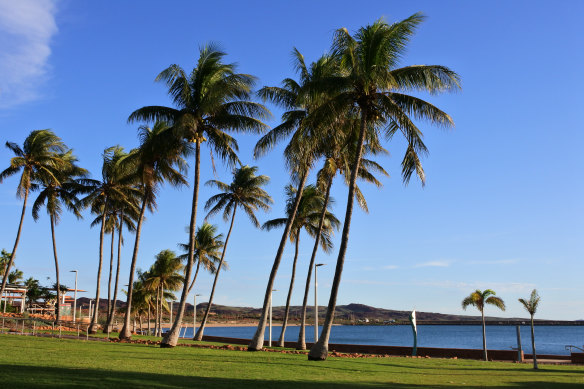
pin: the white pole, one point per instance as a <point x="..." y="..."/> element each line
<point x="75" y="298"/>
<point x="171" y="313"/>
<point x="89" y="310"/>
<point x="270" y="341"/>
<point x="316" y="265"/>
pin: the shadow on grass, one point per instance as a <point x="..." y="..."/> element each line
<point x="19" y="376"/>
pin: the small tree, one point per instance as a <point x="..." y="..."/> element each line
<point x="531" y="307"/>
<point x="479" y="299"/>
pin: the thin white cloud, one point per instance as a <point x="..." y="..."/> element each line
<point x="26" y="29"/>
<point x="434" y="264"/>
<point x="499" y="287"/>
<point x="494" y="262"/>
<point x="390" y="267"/>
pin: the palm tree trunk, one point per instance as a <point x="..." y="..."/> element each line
<point x="56" y="269"/>
<point x="319" y="350"/>
<point x="109" y="282"/>
<point x="13" y="254"/>
<point x="301" y="335"/>
<point x="158" y="311"/>
<point x="93" y="324"/>
<point x="287" y="310"/>
<point x="140" y="320"/>
<point x="257" y="343"/>
<point x="484" y="337"/>
<point x="125" y="333"/>
<point x="113" y="307"/>
<point x="171" y="338"/>
<point x="149" y="333"/>
<point x="195" y="277"/>
<point x="199" y="335"/>
<point x="533" y="345"/>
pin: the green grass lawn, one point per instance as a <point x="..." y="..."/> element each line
<point x="47" y="363"/>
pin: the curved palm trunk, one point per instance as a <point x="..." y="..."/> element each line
<point x="195" y="277"/>
<point x="257" y="343"/>
<point x="56" y="269"/>
<point x="301" y="335"/>
<point x="109" y="283"/>
<point x="319" y="350"/>
<point x="484" y="337"/>
<point x="112" y="312"/>
<point x="533" y="344"/>
<point x="199" y="335"/>
<point x="93" y="324"/>
<point x="13" y="254"/>
<point x="287" y="310"/>
<point x="171" y="337"/>
<point x="125" y="333"/>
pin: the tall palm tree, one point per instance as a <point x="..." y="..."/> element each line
<point x="115" y="186"/>
<point x="370" y="86"/>
<point x="478" y="300"/>
<point x="164" y="276"/>
<point x="338" y="148"/>
<point x="531" y="307"/>
<point x="40" y="154"/>
<point x="307" y="218"/>
<point x="300" y="153"/>
<point x="60" y="189"/>
<point x="208" y="245"/>
<point x="158" y="159"/>
<point x="213" y="98"/>
<point x="245" y="192"/>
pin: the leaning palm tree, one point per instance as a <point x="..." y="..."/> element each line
<point x="60" y="189"/>
<point x="479" y="299"/>
<point x="245" y="192"/>
<point x="300" y="153"/>
<point x="338" y="148"/>
<point x="208" y="245"/>
<point x="116" y="185"/>
<point x="371" y="87"/>
<point x="307" y="218"/>
<point x="531" y="307"/>
<point x="211" y="99"/>
<point x="158" y="159"/>
<point x="40" y="154"/>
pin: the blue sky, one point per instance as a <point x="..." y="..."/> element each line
<point x="503" y="203"/>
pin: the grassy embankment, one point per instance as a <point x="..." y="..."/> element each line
<point x="43" y="362"/>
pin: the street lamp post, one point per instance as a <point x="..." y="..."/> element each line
<point x="75" y="298"/>
<point x="195" y="313"/>
<point x="316" y="266"/>
<point x="89" y="311"/>
<point x="270" y="340"/>
<point x="171" y="301"/>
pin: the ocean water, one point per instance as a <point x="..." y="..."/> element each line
<point x="548" y="339"/>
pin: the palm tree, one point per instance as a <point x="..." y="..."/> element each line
<point x="39" y="155"/>
<point x="4" y="259"/>
<point x="479" y="299"/>
<point x="15" y="276"/>
<point x="370" y="86"/>
<point x="159" y="158"/>
<point x="208" y="245"/>
<point x="531" y="307"/>
<point x="58" y="189"/>
<point x="164" y="276"/>
<point x="338" y="148"/>
<point x="245" y="192"/>
<point x="115" y="186"/>
<point x="211" y="99"/>
<point x="300" y="153"/>
<point x="307" y="218"/>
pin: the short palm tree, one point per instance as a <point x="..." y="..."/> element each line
<point x="307" y="218"/>
<point x="116" y="185"/>
<point x="208" y="245"/>
<point x="57" y="190"/>
<point x="300" y="153"/>
<point x="370" y="86"/>
<point x="164" y="276"/>
<point x="15" y="276"/>
<point x="531" y="307"/>
<point x="4" y="259"/>
<point x="40" y="154"/>
<point x="158" y="159"/>
<point x="478" y="300"/>
<point x="245" y="192"/>
<point x="210" y="100"/>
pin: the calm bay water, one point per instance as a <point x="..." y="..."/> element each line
<point x="548" y="339"/>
